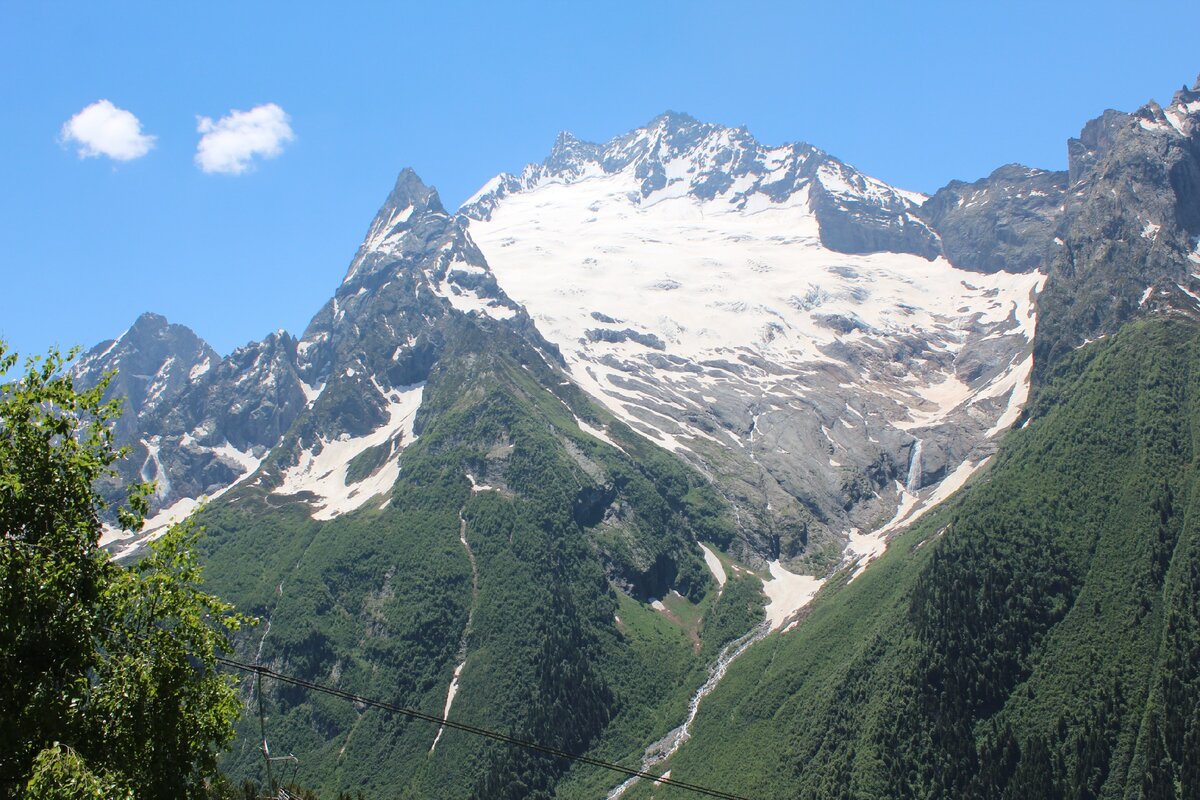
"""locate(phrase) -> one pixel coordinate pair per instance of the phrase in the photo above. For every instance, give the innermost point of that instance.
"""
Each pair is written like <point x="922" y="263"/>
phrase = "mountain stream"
<point x="666" y="747"/>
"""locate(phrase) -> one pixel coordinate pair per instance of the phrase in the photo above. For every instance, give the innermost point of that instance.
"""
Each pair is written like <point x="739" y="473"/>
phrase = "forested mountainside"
<point x="489" y="567"/>
<point x="1039" y="633"/>
<point x="1036" y="636"/>
<point x="526" y="470"/>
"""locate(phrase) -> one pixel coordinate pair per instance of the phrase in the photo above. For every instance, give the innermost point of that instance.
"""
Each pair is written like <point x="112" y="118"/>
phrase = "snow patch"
<point x="787" y="593"/>
<point x="323" y="473"/>
<point x="311" y="392"/>
<point x="1016" y="382"/>
<point x="450" y="693"/>
<point x="479" y="487"/>
<point x="913" y="507"/>
<point x="598" y="433"/>
<point x="862" y="549"/>
<point x="199" y="369"/>
<point x="714" y="565"/>
<point x="158" y="524"/>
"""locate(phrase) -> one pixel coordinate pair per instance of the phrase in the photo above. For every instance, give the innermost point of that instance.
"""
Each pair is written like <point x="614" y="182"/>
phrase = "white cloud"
<point x="230" y="144"/>
<point x="102" y="129"/>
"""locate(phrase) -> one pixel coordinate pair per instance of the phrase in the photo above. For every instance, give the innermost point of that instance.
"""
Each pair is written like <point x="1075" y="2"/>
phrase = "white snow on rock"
<point x="734" y="299"/>
<point x="479" y="487"/>
<point x="322" y="470"/>
<point x="599" y="433"/>
<point x="787" y="593"/>
<point x="450" y="694"/>
<point x="1016" y="383"/>
<point x="158" y="524"/>
<point x="714" y="565"/>
<point x="311" y="392"/>
<point x="863" y="548"/>
<point x="913" y="507"/>
<point x="199" y="369"/>
<point x="466" y="301"/>
<point x="708" y="279"/>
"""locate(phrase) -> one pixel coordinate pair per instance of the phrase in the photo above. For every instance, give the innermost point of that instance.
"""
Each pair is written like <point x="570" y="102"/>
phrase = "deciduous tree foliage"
<point x="108" y="682"/>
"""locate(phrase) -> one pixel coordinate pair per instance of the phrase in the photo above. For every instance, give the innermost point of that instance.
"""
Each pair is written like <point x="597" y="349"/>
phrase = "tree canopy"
<point x="108" y="679"/>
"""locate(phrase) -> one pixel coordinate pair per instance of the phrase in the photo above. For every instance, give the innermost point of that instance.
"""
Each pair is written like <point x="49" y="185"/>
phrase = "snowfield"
<point x="685" y="315"/>
<point x="322" y="470"/>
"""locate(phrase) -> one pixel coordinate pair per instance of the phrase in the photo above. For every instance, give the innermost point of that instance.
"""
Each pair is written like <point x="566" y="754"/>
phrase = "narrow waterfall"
<point x="913" y="482"/>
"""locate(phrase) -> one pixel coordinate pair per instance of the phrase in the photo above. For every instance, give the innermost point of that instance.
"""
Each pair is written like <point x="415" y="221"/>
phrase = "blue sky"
<point x="913" y="93"/>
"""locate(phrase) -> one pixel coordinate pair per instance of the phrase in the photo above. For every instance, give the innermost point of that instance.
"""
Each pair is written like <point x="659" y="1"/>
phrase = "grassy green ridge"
<point x="1036" y="636"/>
<point x="578" y="534"/>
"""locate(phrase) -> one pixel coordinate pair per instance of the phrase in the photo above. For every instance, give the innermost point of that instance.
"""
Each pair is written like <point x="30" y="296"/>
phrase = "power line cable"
<point x="260" y="670"/>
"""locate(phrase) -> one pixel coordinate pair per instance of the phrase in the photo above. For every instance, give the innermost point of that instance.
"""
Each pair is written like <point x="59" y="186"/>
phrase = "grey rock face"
<point x="196" y="420"/>
<point x="200" y="423"/>
<point x="386" y="325"/>
<point x="857" y="217"/>
<point x="1006" y="221"/>
<point x="676" y="155"/>
<point x="1129" y="232"/>
<point x="154" y="362"/>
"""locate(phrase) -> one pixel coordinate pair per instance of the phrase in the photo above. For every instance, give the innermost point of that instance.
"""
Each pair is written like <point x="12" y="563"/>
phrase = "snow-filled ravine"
<point x="123" y="543"/>
<point x="322" y="470"/>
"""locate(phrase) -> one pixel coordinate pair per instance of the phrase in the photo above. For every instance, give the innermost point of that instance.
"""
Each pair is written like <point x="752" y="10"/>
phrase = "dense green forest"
<point x="1036" y="636"/>
<point x="574" y="538"/>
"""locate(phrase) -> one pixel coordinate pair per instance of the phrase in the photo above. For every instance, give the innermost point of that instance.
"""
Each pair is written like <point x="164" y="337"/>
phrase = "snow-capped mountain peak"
<point x="728" y="170"/>
<point x="766" y="307"/>
<point x="409" y="200"/>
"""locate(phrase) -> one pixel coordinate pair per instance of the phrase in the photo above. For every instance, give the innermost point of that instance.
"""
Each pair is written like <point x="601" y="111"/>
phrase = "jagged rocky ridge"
<point x="1128" y="241"/>
<point x="272" y="408"/>
<point x="826" y="387"/>
<point x="442" y="469"/>
<point x="195" y="423"/>
<point x="676" y="155"/>
<point x="778" y="319"/>
<point x="1005" y="221"/>
<point x="814" y="354"/>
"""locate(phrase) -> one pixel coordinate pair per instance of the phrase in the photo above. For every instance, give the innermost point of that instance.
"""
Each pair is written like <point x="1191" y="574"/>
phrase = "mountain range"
<point x="707" y="456"/>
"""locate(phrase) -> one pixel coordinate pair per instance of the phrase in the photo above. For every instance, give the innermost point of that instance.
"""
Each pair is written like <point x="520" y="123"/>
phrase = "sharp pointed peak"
<point x="566" y="138"/>
<point x="570" y="151"/>
<point x="410" y="190"/>
<point x="1186" y="96"/>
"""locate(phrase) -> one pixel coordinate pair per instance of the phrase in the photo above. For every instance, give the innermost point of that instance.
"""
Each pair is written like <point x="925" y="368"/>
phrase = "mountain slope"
<point x="1129" y="242"/>
<point x="444" y="520"/>
<point x="502" y="483"/>
<point x="1006" y="221"/>
<point x="699" y="284"/>
<point x="1036" y="636"/>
